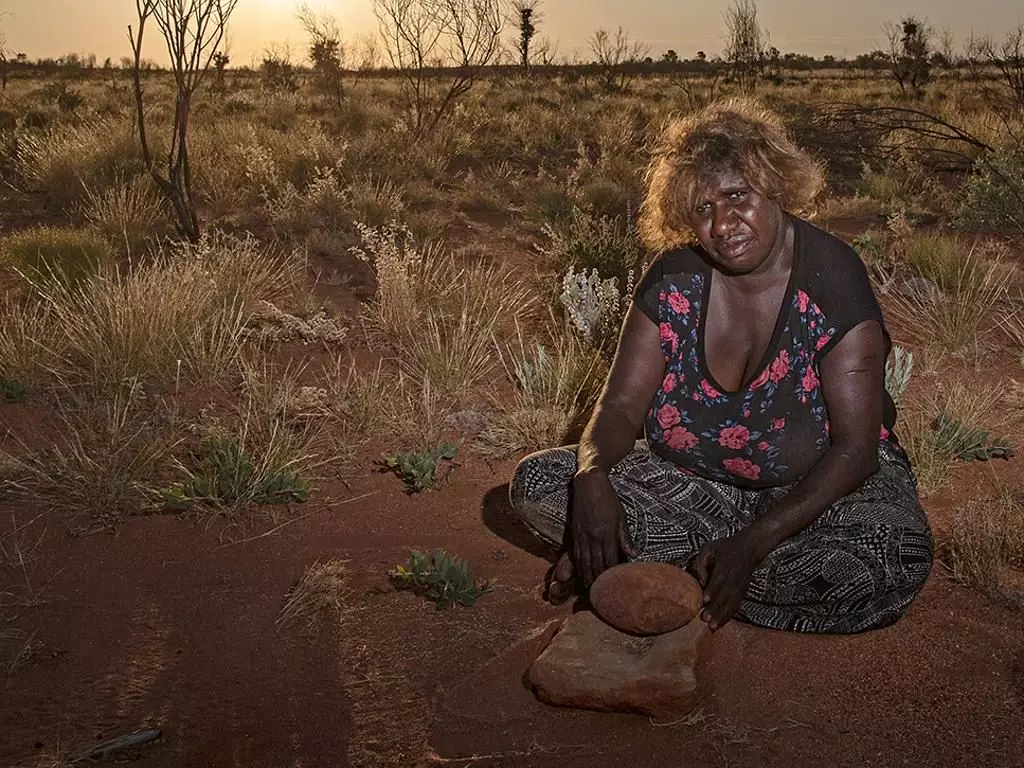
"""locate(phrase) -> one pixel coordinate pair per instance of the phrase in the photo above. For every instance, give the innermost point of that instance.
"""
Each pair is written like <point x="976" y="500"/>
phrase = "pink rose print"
<point x="822" y="341"/>
<point x="779" y="367"/>
<point x="763" y="446"/>
<point x="810" y="380"/>
<point x="761" y="380"/>
<point x="779" y="424"/>
<point x="667" y="334"/>
<point x="669" y="384"/>
<point x="884" y="433"/>
<point x="735" y="438"/>
<point x="681" y="439"/>
<point x="803" y="300"/>
<point x="708" y="389"/>
<point x="742" y="468"/>
<point x="679" y="303"/>
<point x="668" y="416"/>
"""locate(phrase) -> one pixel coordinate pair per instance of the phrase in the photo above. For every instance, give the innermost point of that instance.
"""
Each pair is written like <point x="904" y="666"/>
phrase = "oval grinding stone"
<point x="646" y="598"/>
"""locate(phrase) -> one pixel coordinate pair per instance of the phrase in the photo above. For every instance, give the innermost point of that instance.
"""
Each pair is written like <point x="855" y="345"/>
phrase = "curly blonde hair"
<point x="731" y="135"/>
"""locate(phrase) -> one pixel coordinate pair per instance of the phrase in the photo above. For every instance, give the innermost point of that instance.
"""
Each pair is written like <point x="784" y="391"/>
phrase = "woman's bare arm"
<point x="852" y="377"/>
<point x="852" y="382"/>
<point x="636" y="373"/>
<point x="596" y="525"/>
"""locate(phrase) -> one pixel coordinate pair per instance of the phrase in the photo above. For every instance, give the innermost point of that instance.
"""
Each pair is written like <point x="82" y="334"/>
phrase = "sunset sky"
<point x="45" y="28"/>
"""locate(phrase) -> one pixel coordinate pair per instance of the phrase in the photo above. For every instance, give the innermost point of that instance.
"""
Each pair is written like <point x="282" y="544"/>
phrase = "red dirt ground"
<point x="171" y="625"/>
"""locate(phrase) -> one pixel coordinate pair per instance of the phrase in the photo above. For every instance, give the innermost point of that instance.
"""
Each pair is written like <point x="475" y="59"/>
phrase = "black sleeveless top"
<point x="775" y="428"/>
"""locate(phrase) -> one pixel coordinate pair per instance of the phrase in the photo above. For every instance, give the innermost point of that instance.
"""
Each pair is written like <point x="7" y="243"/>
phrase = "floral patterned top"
<point x="775" y="428"/>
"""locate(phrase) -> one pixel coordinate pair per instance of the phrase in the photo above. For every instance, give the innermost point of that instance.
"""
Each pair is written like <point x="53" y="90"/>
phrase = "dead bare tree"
<point x="439" y="48"/>
<point x="326" y="51"/>
<point x="1007" y="60"/>
<point x="193" y="31"/>
<point x="746" y="44"/>
<point x="613" y="55"/>
<point x="910" y="50"/>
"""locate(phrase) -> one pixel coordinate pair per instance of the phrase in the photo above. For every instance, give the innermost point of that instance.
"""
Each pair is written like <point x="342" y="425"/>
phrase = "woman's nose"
<point x="721" y="221"/>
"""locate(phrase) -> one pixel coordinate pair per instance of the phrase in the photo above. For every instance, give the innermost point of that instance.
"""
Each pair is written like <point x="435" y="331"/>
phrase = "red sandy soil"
<point x="169" y="624"/>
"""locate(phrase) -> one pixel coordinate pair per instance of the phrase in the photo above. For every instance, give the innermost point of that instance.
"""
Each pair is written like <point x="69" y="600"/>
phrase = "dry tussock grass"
<point x="986" y="538"/>
<point x="106" y="464"/>
<point x="958" y="319"/>
<point x="932" y="450"/>
<point x="67" y="160"/>
<point x="318" y="598"/>
<point x="26" y="352"/>
<point x="439" y="315"/>
<point x="556" y="383"/>
<point x="181" y="315"/>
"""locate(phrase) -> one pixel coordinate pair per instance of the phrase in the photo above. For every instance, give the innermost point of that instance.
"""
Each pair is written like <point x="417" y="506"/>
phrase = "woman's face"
<point x="737" y="225"/>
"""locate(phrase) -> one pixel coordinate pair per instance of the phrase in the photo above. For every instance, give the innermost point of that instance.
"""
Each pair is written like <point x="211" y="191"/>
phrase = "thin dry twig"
<point x="294" y="520"/>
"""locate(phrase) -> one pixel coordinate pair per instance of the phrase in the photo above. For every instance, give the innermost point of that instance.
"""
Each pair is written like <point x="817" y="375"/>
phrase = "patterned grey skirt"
<point x="857" y="567"/>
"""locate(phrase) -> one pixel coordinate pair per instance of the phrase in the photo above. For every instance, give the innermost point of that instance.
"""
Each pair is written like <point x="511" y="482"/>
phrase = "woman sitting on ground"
<point x="754" y="360"/>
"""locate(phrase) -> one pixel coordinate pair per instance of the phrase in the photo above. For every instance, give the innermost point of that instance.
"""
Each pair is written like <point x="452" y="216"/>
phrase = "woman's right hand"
<point x="598" y="526"/>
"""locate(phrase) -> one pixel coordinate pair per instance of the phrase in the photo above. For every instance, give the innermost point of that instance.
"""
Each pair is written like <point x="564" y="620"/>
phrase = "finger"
<point x="625" y="540"/>
<point x="717" y="590"/>
<point x="584" y="564"/>
<point x="596" y="561"/>
<point x="724" y="608"/>
<point x="577" y="554"/>
<point x="611" y="552"/>
<point x="701" y="563"/>
<point x="563" y="568"/>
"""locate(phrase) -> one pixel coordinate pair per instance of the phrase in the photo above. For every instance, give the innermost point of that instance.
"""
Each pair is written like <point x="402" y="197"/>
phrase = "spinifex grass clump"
<point x="48" y="255"/>
<point x="418" y="469"/>
<point x="318" y="598"/>
<point x="228" y="476"/>
<point x="440" y="577"/>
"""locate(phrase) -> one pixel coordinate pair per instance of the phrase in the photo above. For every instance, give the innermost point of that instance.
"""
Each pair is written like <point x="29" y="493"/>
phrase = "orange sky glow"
<point x="51" y="28"/>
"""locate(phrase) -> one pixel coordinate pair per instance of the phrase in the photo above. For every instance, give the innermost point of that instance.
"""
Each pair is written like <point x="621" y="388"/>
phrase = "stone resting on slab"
<point x="655" y="670"/>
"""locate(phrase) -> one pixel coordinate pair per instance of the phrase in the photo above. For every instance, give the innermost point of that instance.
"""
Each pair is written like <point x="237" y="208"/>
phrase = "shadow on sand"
<point x="496" y="513"/>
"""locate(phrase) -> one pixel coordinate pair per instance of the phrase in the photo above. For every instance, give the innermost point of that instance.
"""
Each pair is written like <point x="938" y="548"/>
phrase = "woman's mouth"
<point x="732" y="247"/>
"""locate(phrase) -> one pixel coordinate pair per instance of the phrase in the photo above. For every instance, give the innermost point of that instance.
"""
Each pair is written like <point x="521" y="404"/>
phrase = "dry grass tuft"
<point x="440" y="315"/>
<point x="954" y="320"/>
<point x="182" y="315"/>
<point x="986" y="538"/>
<point x="103" y="469"/>
<point x="555" y="386"/>
<point x="26" y="352"/>
<point x="319" y="598"/>
<point x="129" y="214"/>
<point x="932" y="449"/>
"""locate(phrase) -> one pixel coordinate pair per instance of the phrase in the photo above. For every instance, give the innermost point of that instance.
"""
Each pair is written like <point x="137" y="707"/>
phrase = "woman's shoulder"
<point x="826" y="257"/>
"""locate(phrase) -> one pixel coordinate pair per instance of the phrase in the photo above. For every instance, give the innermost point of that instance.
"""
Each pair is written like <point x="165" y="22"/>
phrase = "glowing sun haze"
<point x="50" y="28"/>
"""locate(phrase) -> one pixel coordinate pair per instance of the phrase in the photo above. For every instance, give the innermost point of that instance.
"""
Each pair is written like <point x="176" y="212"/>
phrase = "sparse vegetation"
<point x="318" y="598"/>
<point x="434" y="263"/>
<point x="440" y="577"/>
<point x="418" y="469"/>
<point x="986" y="539"/>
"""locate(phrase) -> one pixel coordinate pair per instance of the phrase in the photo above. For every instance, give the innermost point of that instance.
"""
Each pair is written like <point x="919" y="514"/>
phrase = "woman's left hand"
<point x="724" y="568"/>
